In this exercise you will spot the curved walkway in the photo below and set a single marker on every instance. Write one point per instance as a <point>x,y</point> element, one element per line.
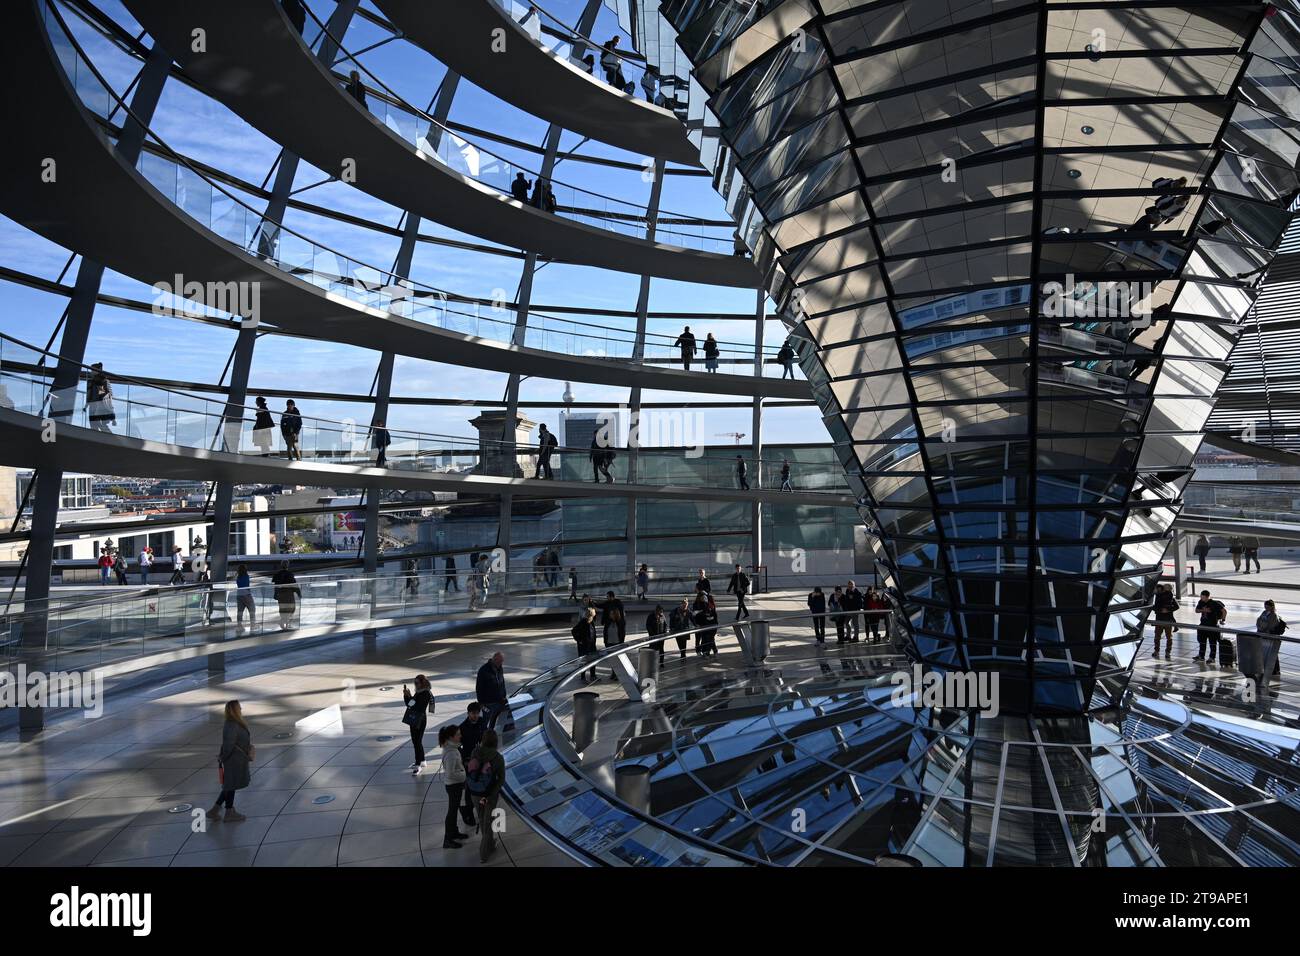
<point>23,444</point>
<point>257,65</point>
<point>536,80</point>
<point>108,211</point>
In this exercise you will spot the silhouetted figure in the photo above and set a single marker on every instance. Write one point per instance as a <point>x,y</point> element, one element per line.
<point>686,342</point>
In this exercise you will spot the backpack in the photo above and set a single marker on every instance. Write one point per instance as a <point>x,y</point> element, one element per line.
<point>479,776</point>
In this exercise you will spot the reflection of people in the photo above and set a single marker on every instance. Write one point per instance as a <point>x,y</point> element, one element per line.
<point>1165,606</point>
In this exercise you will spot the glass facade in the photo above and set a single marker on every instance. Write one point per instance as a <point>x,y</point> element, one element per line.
<point>1017,244</point>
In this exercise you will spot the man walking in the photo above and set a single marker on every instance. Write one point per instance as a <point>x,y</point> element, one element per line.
<point>742,474</point>
<point>739,586</point>
<point>546,443</point>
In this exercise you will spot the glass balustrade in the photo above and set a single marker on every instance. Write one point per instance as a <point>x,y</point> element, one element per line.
<point>150,413</point>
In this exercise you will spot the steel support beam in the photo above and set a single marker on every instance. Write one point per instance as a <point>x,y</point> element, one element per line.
<point>67,377</point>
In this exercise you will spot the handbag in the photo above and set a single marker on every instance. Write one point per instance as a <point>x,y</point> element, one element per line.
<point>413,716</point>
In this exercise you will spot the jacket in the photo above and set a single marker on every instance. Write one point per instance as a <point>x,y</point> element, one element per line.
<point>584,635</point>
<point>491,755</point>
<point>739,583</point>
<point>611,612</point>
<point>453,766</point>
<point>1256,655</point>
<point>263,421</point>
<point>471,732</point>
<point>236,747</point>
<point>422,700</point>
<point>1202,546</point>
<point>290,423</point>
<point>854,600</point>
<point>817,602</point>
<point>656,624</point>
<point>287,590</point>
<point>679,620</point>
<point>490,685</point>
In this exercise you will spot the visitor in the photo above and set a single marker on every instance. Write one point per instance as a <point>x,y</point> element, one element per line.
<point>1235,549</point>
<point>786,357</point>
<point>380,440</point>
<point>356,89</point>
<point>105,565</point>
<point>178,566</point>
<point>263,427</point>
<point>584,635</point>
<point>573,584</point>
<point>853,602</point>
<point>297,15</point>
<point>233,762</point>
<point>817,607</point>
<point>453,781</point>
<point>739,586</point>
<point>418,707</point>
<point>546,445</point>
<point>612,64</point>
<point>686,343</point>
<point>705,618</point>
<point>244,597</point>
<point>1165,606</point>
<point>642,581</point>
<point>710,353</point>
<point>1259,652</point>
<point>877,611</point>
<point>612,616</point>
<point>471,734</point>
<point>1202,550</point>
<point>785,475</point>
<point>702,584</point>
<point>1250,552</point>
<point>602,456</point>
<point>656,624</point>
<point>412,570</point>
<point>119,568</point>
<point>451,580</point>
<point>553,567</point>
<point>679,623</point>
<point>1213,614</point>
<point>146,563</point>
<point>290,430</point>
<point>835,606</point>
<point>286,593</point>
<point>483,576</point>
<point>520,187</point>
<point>490,687</point>
<point>485,774</point>
<point>742,474</point>
<point>99,400</point>
<point>589,64</point>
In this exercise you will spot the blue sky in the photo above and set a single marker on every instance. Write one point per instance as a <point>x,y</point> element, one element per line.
<point>138,343</point>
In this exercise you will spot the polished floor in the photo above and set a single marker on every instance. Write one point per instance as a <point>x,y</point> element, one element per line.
<point>330,785</point>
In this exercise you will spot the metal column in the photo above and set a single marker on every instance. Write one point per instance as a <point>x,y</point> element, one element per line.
<point>401,270</point>
<point>756,509</point>
<point>242,359</point>
<point>638,355</point>
<point>67,374</point>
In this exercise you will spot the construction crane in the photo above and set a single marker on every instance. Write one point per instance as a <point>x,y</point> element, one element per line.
<point>736,435</point>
